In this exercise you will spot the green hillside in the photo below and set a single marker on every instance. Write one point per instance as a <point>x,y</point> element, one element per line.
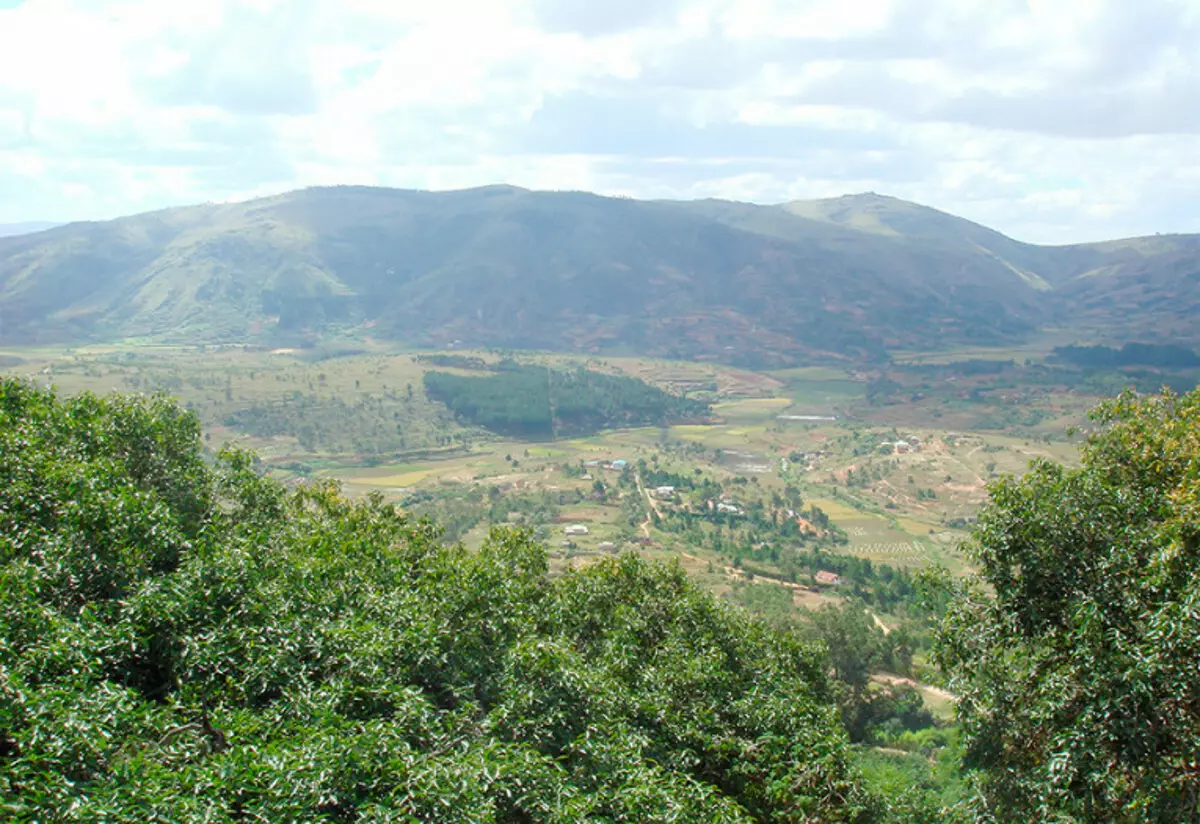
<point>500,266</point>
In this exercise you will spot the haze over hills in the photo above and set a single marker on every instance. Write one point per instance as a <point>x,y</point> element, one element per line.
<point>500,266</point>
<point>25,228</point>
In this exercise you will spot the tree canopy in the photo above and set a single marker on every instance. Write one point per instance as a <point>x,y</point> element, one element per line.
<point>182,639</point>
<point>1076,651</point>
<point>539,402</point>
<point>1169,355</point>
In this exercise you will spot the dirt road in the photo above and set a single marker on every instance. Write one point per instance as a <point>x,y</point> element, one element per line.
<point>886,678</point>
<point>645,525</point>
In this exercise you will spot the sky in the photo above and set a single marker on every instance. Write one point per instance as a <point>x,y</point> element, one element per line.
<point>1053,121</point>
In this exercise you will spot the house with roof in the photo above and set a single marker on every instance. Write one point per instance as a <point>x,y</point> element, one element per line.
<point>828,579</point>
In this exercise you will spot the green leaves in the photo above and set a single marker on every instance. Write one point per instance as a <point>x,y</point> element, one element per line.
<point>1076,666</point>
<point>184,640</point>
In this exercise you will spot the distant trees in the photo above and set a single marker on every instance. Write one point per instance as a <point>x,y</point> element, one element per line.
<point>367,424</point>
<point>1074,652</point>
<point>453,361</point>
<point>1131,354</point>
<point>857,647</point>
<point>539,402</point>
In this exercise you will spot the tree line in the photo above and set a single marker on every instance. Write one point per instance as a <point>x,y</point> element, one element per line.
<point>1166,355</point>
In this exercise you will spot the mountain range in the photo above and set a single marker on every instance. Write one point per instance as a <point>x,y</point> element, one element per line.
<point>499,266</point>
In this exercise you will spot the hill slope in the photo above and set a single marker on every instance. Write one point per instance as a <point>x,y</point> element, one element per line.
<point>501,266</point>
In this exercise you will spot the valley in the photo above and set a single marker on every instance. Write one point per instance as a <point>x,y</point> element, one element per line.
<point>800,409</point>
<point>565,412</point>
<point>895,462</point>
<point>813,497</point>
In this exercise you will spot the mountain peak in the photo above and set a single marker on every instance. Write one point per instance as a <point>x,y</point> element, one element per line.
<point>870,197</point>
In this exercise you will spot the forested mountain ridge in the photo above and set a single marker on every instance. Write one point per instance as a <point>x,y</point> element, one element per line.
<point>571,271</point>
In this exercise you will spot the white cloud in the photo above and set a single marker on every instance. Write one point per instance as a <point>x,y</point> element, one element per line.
<point>1052,121</point>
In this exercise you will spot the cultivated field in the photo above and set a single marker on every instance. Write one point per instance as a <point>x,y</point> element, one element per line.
<point>900,482</point>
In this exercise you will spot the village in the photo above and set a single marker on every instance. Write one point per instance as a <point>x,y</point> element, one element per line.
<point>697,498</point>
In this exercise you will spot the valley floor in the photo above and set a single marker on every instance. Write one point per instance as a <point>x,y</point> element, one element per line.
<point>795,470</point>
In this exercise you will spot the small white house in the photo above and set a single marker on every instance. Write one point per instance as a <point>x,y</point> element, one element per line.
<point>576,529</point>
<point>664,491</point>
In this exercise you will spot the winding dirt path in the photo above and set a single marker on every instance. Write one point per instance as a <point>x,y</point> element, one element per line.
<point>879,623</point>
<point>887,678</point>
<point>645,525</point>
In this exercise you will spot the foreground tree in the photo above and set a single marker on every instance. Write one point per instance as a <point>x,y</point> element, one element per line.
<point>1076,652</point>
<point>186,642</point>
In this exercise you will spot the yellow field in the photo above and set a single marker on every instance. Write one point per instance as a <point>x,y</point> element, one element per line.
<point>405,479</point>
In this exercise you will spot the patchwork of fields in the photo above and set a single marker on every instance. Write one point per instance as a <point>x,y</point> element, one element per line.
<point>360,416</point>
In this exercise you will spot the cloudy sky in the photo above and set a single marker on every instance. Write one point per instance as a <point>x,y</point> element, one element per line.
<point>1051,120</point>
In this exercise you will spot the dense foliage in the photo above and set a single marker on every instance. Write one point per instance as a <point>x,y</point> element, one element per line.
<point>183,641</point>
<point>454,361</point>
<point>542,402</point>
<point>1075,654</point>
<point>1131,354</point>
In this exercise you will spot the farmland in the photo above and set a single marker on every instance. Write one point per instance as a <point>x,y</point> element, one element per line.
<point>359,416</point>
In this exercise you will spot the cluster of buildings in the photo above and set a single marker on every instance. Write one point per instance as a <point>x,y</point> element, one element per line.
<point>808,460</point>
<point>904,445</point>
<point>618,465</point>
